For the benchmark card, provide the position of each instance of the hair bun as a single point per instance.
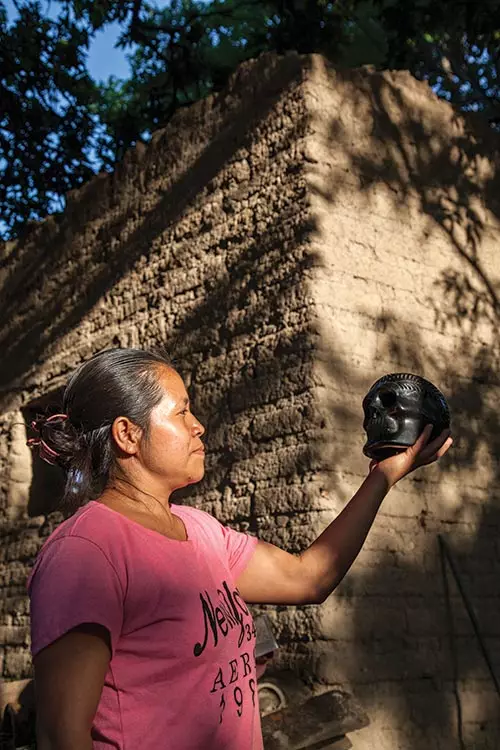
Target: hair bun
(57, 440)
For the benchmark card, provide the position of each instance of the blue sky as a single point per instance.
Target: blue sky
(104, 60)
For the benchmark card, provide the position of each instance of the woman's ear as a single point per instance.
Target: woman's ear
(126, 435)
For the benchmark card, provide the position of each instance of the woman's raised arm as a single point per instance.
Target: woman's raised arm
(274, 576)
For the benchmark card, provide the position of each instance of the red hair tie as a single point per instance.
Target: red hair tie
(45, 452)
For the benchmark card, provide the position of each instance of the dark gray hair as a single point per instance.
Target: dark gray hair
(113, 383)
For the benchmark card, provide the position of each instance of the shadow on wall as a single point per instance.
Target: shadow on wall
(273, 363)
(410, 641)
(445, 182)
(454, 191)
(113, 222)
(17, 715)
(454, 182)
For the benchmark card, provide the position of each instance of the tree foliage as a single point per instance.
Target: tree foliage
(46, 124)
(58, 125)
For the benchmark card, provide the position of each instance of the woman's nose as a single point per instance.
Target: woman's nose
(198, 428)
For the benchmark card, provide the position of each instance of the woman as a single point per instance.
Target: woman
(141, 634)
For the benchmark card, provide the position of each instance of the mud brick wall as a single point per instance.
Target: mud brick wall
(405, 195)
(289, 241)
(197, 243)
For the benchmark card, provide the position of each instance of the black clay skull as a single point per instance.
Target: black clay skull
(397, 407)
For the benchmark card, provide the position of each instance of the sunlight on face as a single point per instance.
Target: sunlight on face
(174, 451)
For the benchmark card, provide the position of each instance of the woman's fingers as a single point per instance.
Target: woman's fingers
(422, 439)
(419, 454)
(445, 447)
(438, 442)
(436, 449)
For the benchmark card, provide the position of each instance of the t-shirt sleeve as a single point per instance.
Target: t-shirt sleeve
(239, 549)
(73, 583)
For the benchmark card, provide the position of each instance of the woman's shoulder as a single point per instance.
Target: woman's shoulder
(84, 536)
(191, 511)
(196, 516)
(88, 522)
(199, 523)
(206, 525)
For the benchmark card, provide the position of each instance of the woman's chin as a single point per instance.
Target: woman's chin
(196, 476)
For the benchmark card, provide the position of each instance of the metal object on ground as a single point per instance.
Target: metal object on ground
(265, 642)
(271, 698)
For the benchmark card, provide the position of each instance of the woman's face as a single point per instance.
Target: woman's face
(173, 450)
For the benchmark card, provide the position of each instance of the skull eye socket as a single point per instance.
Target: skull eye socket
(388, 399)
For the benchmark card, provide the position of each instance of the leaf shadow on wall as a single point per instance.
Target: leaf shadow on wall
(452, 181)
(278, 360)
(52, 284)
(60, 270)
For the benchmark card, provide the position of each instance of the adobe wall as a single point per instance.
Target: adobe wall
(290, 240)
(405, 195)
(197, 243)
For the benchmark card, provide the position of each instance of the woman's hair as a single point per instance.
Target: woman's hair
(113, 383)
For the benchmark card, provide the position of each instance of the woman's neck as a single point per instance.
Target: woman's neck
(140, 489)
(125, 491)
(143, 507)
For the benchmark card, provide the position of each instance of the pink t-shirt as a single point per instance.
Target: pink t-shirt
(182, 672)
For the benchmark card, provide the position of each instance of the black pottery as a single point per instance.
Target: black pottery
(397, 407)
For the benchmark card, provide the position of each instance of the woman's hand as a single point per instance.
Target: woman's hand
(419, 454)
